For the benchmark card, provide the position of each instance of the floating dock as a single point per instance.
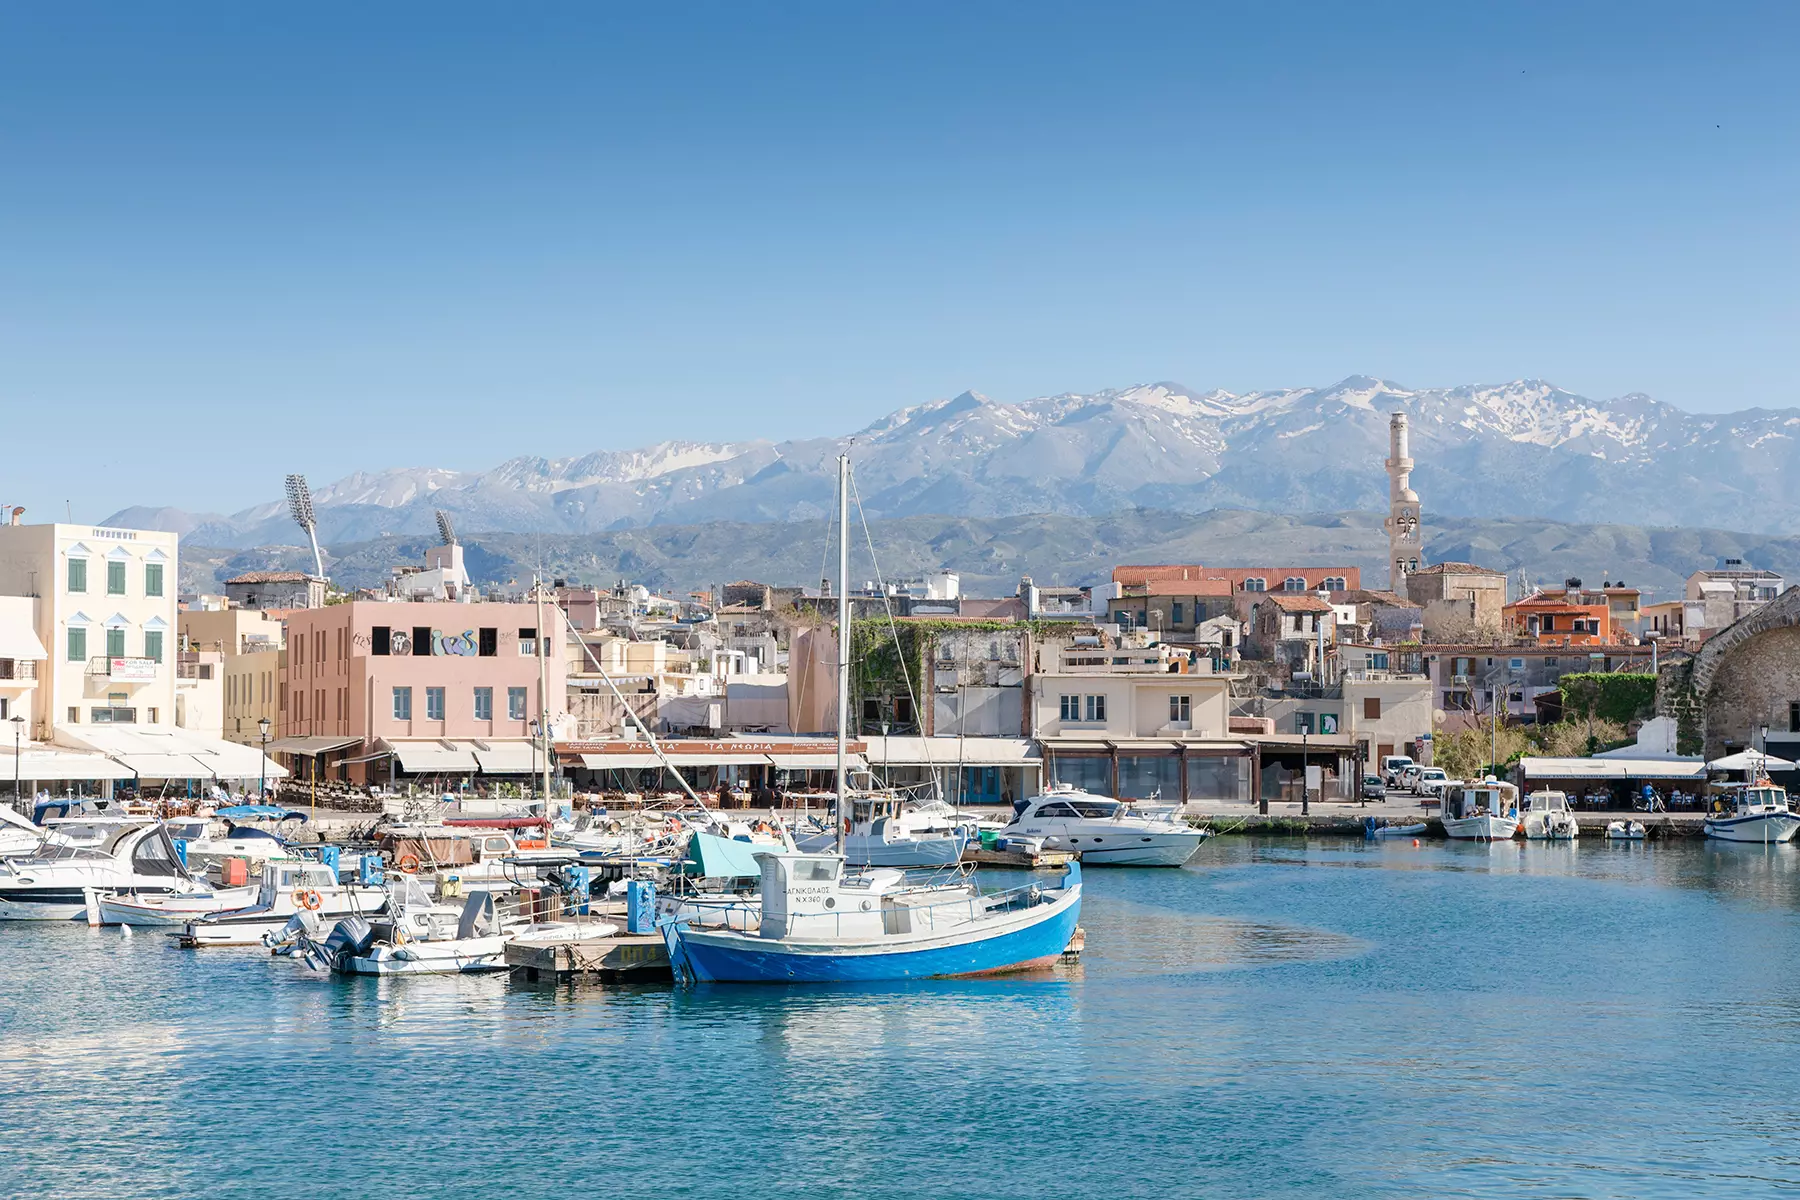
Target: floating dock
(628, 958)
(1043, 860)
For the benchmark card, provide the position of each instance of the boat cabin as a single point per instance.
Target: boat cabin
(1489, 798)
(282, 877)
(1547, 802)
(1067, 806)
(1753, 799)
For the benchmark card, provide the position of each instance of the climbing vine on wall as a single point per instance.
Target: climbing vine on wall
(1618, 697)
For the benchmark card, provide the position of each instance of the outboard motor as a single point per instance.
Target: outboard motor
(349, 938)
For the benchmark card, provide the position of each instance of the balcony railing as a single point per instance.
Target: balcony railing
(15, 669)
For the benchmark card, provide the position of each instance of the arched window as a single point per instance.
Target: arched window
(1294, 583)
(1254, 584)
(1336, 583)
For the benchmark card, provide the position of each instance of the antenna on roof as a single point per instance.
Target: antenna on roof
(300, 504)
(446, 530)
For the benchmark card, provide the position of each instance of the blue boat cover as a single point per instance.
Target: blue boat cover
(716, 857)
(254, 812)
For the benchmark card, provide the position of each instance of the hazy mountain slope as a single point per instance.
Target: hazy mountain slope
(993, 552)
(1519, 449)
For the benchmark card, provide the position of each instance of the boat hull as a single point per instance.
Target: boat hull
(1763, 828)
(460, 957)
(1155, 850)
(49, 904)
(1481, 829)
(1035, 939)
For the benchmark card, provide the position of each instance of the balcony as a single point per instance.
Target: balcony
(125, 670)
(18, 670)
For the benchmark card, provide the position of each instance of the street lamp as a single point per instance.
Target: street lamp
(1305, 768)
(262, 768)
(18, 724)
(532, 725)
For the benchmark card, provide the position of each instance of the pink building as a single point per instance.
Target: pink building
(372, 691)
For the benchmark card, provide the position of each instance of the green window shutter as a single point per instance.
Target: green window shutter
(115, 579)
(153, 576)
(77, 645)
(153, 645)
(78, 574)
(115, 643)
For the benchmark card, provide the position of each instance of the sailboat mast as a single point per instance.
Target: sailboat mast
(843, 642)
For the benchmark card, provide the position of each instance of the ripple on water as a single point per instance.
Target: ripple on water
(1141, 939)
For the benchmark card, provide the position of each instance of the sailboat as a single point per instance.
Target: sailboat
(813, 923)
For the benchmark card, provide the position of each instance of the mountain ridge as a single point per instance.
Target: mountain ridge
(1526, 448)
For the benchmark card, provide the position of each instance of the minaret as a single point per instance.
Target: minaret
(1402, 523)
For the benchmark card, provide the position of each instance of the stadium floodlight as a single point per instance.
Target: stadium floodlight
(446, 530)
(301, 505)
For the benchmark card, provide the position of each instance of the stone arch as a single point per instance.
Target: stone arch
(1783, 612)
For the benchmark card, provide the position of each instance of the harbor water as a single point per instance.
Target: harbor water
(1280, 1018)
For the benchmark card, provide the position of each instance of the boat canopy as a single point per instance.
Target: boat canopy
(715, 857)
(259, 812)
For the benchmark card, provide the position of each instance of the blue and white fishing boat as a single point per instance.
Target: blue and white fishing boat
(812, 923)
(1757, 813)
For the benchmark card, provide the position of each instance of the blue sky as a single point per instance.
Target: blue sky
(237, 240)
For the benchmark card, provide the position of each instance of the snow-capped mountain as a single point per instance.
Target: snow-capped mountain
(1525, 448)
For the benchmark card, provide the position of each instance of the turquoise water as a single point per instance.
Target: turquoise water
(1282, 1018)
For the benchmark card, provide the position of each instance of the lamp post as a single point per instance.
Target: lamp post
(533, 727)
(18, 724)
(1763, 751)
(1305, 768)
(262, 768)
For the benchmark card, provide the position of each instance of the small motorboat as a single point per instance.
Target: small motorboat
(1624, 831)
(891, 831)
(53, 883)
(1374, 830)
(1548, 819)
(1487, 811)
(288, 887)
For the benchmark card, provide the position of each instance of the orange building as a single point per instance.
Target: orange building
(1552, 620)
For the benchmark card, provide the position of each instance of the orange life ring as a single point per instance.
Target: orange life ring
(408, 864)
(308, 899)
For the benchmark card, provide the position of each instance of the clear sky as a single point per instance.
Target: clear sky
(240, 239)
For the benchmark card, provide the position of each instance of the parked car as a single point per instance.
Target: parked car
(1391, 766)
(1373, 788)
(1434, 781)
(1407, 778)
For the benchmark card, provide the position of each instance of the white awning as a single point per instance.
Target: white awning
(949, 751)
(18, 640)
(41, 764)
(508, 758)
(644, 760)
(814, 762)
(619, 762)
(170, 752)
(1613, 768)
(434, 757)
(310, 746)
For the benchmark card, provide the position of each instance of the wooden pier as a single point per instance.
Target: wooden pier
(627, 958)
(1043, 860)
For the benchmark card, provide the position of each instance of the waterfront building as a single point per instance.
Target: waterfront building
(1715, 599)
(1296, 630)
(372, 691)
(1458, 601)
(248, 644)
(1470, 681)
(22, 656)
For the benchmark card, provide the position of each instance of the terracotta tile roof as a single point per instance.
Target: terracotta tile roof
(1296, 602)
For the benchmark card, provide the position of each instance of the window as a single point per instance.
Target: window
(515, 704)
(115, 578)
(74, 715)
(434, 704)
(115, 643)
(871, 710)
(1181, 709)
(1459, 701)
(1515, 664)
(78, 574)
(1294, 583)
(484, 704)
(528, 643)
(1175, 613)
(152, 715)
(1071, 708)
(77, 645)
(205, 668)
(1550, 661)
(1303, 723)
(1122, 619)
(903, 712)
(1371, 708)
(421, 641)
(153, 650)
(488, 643)
(153, 577)
(1254, 584)
(381, 640)
(1336, 583)
(5, 709)
(402, 704)
(1096, 708)
(1378, 661)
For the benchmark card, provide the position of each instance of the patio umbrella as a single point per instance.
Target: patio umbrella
(1750, 760)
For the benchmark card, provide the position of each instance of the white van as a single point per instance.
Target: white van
(1391, 766)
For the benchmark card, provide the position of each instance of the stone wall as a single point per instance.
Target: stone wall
(1752, 685)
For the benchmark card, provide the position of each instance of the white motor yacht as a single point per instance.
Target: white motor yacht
(1104, 831)
(1757, 813)
(1487, 811)
(19, 834)
(52, 883)
(287, 887)
(1548, 819)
